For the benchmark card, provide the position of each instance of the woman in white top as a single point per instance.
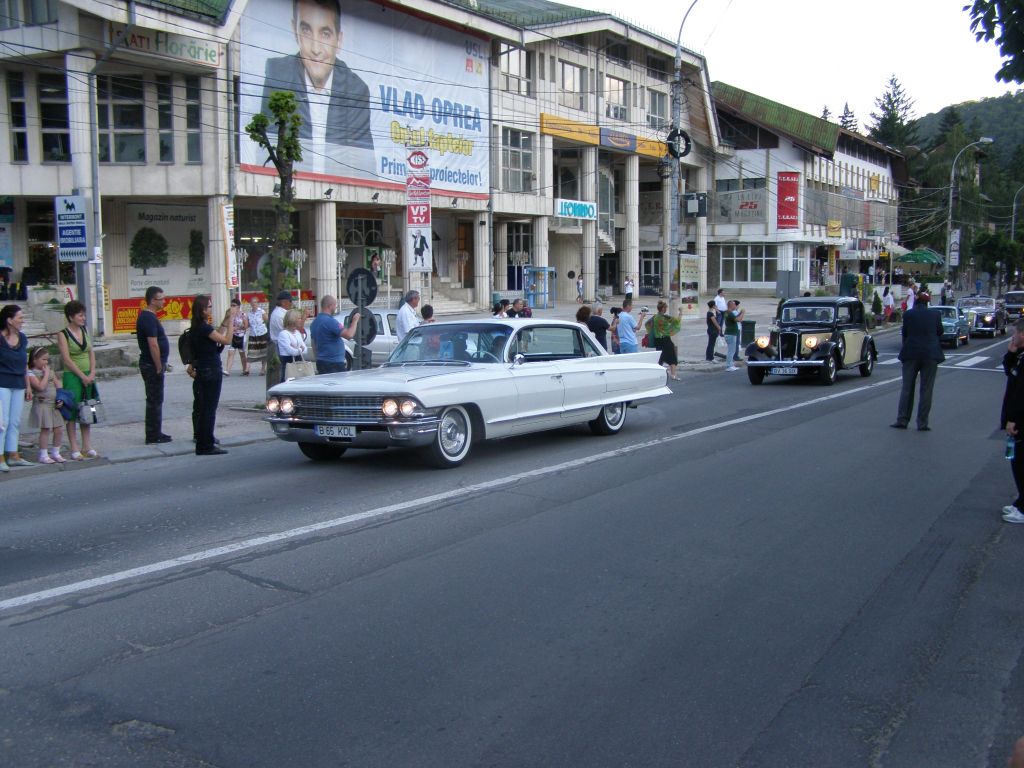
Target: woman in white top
(259, 335)
(290, 346)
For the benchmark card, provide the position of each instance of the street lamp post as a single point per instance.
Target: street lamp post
(1013, 216)
(949, 213)
(677, 119)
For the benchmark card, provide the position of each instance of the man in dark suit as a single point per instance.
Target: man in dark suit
(341, 101)
(921, 355)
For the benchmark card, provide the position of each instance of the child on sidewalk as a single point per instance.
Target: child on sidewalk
(45, 415)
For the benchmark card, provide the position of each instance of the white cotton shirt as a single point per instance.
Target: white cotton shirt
(911, 297)
(319, 104)
(277, 322)
(290, 344)
(407, 320)
(721, 304)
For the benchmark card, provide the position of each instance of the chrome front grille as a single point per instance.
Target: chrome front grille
(347, 409)
(789, 343)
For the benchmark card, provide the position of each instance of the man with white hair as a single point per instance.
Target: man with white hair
(407, 319)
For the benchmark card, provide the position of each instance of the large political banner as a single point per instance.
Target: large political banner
(372, 84)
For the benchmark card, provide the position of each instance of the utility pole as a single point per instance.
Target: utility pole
(674, 140)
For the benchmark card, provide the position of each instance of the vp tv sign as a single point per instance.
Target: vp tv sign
(72, 228)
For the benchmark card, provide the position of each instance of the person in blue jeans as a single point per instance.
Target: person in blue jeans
(626, 328)
(733, 317)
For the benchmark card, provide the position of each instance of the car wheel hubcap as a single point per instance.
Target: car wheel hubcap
(453, 433)
(613, 414)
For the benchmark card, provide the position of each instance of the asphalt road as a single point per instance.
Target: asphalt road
(746, 576)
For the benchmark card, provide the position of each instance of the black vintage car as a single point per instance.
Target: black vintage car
(1014, 305)
(814, 336)
(984, 314)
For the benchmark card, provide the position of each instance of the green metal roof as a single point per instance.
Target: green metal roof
(526, 13)
(812, 132)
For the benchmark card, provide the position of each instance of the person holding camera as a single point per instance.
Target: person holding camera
(733, 318)
(661, 328)
(627, 326)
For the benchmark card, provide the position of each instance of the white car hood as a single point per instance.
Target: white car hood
(372, 380)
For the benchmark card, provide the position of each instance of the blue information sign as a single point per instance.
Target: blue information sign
(72, 228)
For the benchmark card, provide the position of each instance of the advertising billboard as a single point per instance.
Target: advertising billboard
(372, 84)
(167, 248)
(788, 204)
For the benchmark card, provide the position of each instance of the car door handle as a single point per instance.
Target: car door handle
(557, 376)
(600, 373)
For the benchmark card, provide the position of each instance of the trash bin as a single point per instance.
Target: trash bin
(748, 332)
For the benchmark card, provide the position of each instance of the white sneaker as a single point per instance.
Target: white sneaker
(732, 368)
(1013, 517)
(1009, 508)
(4, 467)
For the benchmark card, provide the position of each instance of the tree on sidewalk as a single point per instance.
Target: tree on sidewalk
(280, 140)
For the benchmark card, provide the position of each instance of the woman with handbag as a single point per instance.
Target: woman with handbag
(206, 370)
(15, 388)
(79, 361)
(239, 327)
(290, 343)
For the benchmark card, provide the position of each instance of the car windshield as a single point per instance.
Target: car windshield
(1015, 297)
(803, 314)
(976, 302)
(452, 343)
(948, 313)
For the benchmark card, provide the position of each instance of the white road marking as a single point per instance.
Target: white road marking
(970, 361)
(206, 555)
(889, 362)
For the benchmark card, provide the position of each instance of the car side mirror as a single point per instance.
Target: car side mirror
(519, 359)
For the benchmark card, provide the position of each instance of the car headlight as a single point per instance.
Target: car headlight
(762, 342)
(389, 408)
(811, 342)
(273, 405)
(407, 407)
(287, 405)
(988, 318)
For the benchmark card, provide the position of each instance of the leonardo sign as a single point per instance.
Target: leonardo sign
(575, 209)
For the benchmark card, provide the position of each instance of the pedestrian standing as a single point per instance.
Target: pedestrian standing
(579, 289)
(714, 331)
(921, 354)
(721, 305)
(154, 350)
(45, 416)
(15, 389)
(239, 327)
(598, 325)
(1011, 417)
(274, 367)
(79, 360)
(888, 303)
(911, 295)
(627, 288)
(206, 370)
(661, 328)
(407, 319)
(627, 326)
(256, 347)
(328, 334)
(290, 343)
(731, 329)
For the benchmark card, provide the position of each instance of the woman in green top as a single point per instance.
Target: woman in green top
(661, 328)
(79, 360)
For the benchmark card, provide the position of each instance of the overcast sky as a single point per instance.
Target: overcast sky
(809, 53)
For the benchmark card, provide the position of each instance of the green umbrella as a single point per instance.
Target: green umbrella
(920, 256)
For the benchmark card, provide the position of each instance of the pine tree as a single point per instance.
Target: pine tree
(848, 120)
(826, 113)
(893, 123)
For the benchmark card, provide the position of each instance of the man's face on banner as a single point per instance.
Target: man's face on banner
(316, 32)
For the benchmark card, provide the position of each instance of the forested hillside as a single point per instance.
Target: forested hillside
(1002, 118)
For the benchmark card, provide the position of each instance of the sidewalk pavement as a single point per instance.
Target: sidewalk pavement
(240, 416)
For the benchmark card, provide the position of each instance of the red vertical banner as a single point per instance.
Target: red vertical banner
(788, 196)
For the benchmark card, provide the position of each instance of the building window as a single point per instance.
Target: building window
(165, 117)
(657, 109)
(516, 160)
(121, 117)
(735, 185)
(193, 118)
(17, 13)
(520, 240)
(19, 125)
(657, 68)
(516, 70)
(53, 118)
(618, 52)
(571, 80)
(616, 95)
(755, 263)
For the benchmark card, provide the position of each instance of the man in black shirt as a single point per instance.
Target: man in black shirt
(598, 325)
(153, 352)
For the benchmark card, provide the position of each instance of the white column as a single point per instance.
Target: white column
(482, 261)
(78, 65)
(323, 264)
(540, 241)
(588, 249)
(500, 256)
(216, 259)
(632, 196)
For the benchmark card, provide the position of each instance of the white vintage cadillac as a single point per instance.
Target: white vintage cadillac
(448, 385)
